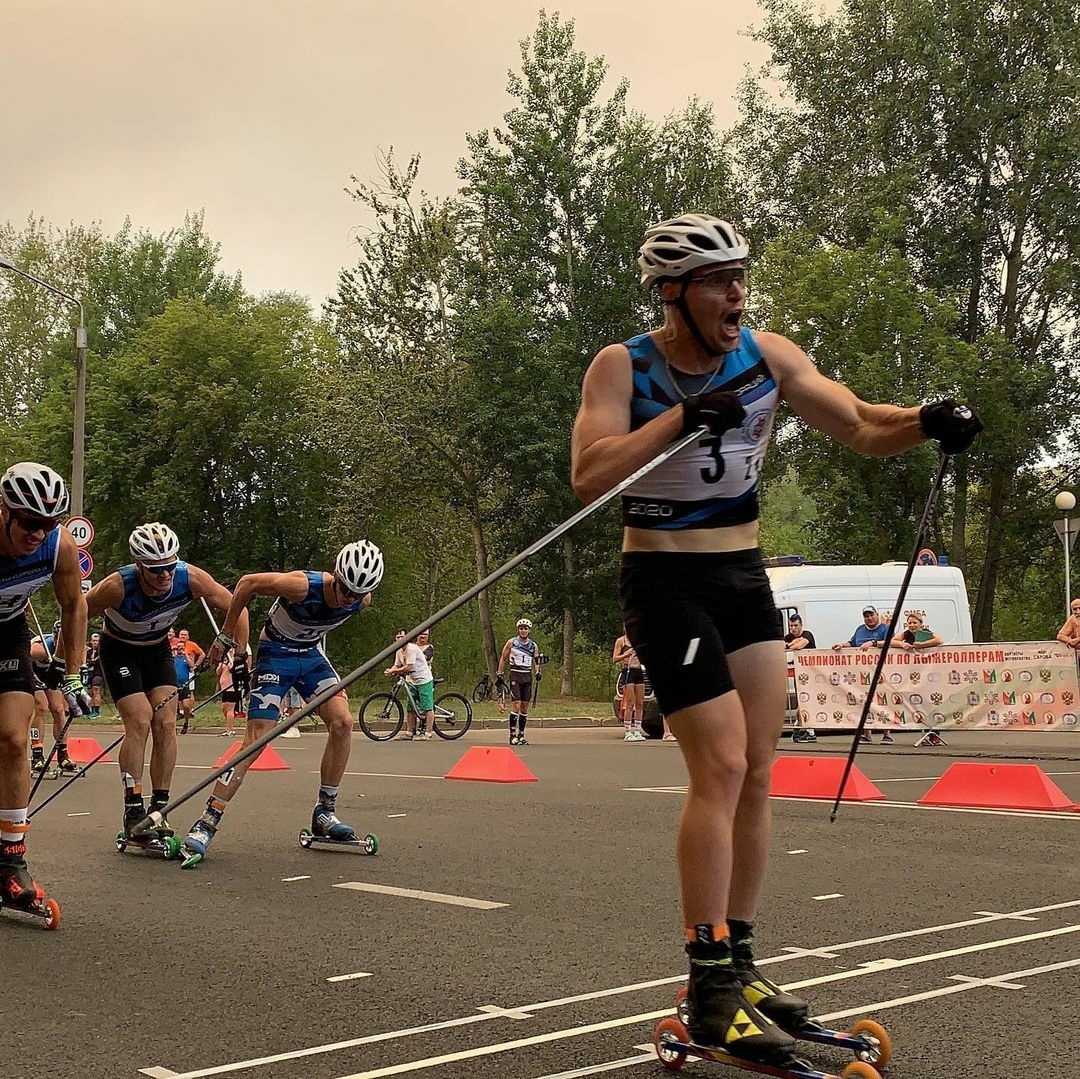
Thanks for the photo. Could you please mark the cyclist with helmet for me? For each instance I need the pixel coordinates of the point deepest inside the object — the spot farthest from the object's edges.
(523, 654)
(696, 598)
(34, 549)
(307, 605)
(140, 602)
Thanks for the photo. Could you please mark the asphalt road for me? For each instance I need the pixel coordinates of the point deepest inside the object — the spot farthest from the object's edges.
(959, 931)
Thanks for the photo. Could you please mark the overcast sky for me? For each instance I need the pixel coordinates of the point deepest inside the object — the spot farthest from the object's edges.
(258, 111)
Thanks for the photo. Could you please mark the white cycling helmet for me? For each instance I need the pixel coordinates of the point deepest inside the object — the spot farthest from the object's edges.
(34, 488)
(154, 542)
(360, 567)
(524, 622)
(673, 248)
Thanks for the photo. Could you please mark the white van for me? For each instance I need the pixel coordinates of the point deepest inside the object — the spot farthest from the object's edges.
(831, 598)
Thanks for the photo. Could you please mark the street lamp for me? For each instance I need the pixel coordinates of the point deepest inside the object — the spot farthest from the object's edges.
(78, 446)
(1067, 530)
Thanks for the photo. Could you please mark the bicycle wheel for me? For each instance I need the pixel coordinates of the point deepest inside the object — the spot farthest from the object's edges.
(482, 690)
(453, 716)
(381, 716)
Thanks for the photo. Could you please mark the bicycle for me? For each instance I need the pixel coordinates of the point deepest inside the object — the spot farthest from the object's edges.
(382, 715)
(484, 689)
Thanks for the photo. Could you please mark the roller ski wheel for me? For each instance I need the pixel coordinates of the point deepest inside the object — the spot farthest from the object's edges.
(151, 844)
(673, 1046)
(867, 1040)
(368, 844)
(46, 910)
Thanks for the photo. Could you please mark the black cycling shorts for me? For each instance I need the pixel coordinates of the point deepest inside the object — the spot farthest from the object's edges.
(685, 613)
(16, 670)
(136, 668)
(520, 687)
(230, 696)
(635, 676)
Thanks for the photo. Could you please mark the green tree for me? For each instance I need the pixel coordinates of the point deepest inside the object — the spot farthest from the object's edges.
(966, 118)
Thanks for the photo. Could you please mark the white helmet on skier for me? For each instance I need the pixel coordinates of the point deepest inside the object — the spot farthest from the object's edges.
(524, 623)
(359, 567)
(35, 489)
(154, 542)
(673, 248)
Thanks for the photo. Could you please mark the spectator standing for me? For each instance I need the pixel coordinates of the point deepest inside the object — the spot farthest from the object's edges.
(633, 694)
(871, 634)
(1069, 634)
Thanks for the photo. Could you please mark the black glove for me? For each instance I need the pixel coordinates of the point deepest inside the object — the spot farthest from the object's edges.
(718, 410)
(55, 673)
(952, 425)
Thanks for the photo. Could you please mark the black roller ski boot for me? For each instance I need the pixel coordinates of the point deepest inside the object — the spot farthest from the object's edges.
(150, 841)
(719, 1012)
(788, 1012)
(66, 765)
(19, 892)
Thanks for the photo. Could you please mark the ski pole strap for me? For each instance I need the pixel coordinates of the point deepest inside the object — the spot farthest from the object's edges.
(225, 640)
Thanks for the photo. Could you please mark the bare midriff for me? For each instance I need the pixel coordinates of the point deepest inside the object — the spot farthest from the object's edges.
(692, 540)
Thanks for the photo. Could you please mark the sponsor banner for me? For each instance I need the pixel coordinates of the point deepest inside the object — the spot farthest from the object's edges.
(1030, 685)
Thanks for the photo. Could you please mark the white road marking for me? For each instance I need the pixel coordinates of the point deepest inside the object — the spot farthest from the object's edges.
(610, 1066)
(289, 880)
(831, 895)
(611, 1024)
(447, 1024)
(350, 977)
(86, 814)
(385, 775)
(414, 893)
(505, 1013)
(808, 953)
(1009, 917)
(1026, 814)
(391, 816)
(996, 982)
(798, 852)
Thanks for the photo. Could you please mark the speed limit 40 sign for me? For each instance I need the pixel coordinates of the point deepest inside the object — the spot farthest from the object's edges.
(82, 531)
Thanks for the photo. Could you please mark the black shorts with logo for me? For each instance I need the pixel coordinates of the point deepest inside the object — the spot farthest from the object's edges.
(135, 668)
(520, 686)
(685, 613)
(16, 670)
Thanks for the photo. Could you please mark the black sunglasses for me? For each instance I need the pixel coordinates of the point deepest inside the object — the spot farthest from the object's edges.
(159, 571)
(31, 522)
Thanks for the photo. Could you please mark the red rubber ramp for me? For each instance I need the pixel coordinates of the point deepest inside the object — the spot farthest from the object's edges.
(84, 750)
(491, 764)
(819, 777)
(269, 760)
(972, 785)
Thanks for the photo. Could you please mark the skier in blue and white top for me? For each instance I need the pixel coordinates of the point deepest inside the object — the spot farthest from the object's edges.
(308, 604)
(523, 655)
(140, 602)
(697, 604)
(34, 549)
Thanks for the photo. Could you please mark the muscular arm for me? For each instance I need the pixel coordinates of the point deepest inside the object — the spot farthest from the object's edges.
(292, 586)
(876, 430)
(504, 656)
(106, 593)
(67, 584)
(203, 586)
(603, 449)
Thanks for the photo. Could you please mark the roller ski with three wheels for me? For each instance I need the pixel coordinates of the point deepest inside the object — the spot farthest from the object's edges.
(328, 830)
(38, 766)
(21, 894)
(160, 842)
(868, 1041)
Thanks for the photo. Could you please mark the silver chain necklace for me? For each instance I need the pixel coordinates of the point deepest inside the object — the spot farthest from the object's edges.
(702, 389)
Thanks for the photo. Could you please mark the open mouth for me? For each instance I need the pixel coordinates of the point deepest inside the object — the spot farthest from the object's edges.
(733, 322)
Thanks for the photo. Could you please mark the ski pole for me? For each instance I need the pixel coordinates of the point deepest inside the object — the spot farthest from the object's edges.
(155, 818)
(68, 710)
(928, 511)
(78, 775)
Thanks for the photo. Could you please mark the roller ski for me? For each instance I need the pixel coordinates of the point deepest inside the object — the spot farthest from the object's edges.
(867, 1040)
(326, 828)
(19, 892)
(158, 841)
(41, 767)
(66, 765)
(193, 849)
